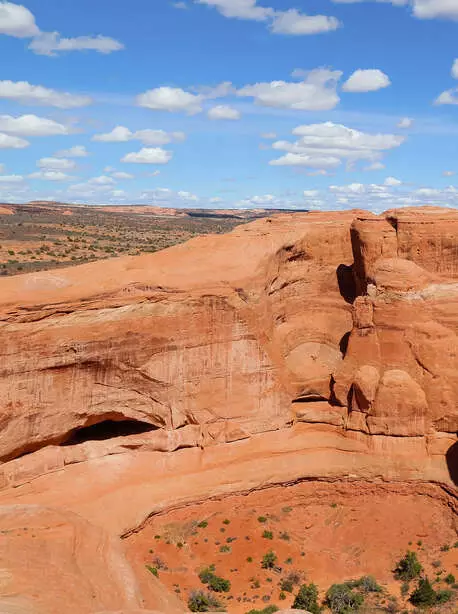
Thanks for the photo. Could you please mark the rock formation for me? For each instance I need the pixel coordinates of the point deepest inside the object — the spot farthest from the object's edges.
(299, 346)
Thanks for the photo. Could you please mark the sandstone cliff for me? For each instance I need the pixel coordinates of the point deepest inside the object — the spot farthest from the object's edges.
(305, 346)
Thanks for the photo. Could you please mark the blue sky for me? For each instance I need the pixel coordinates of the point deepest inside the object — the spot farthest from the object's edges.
(223, 103)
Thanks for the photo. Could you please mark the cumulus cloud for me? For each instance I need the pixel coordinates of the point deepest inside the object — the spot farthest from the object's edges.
(121, 134)
(223, 112)
(31, 125)
(392, 182)
(367, 80)
(148, 155)
(78, 151)
(12, 142)
(448, 97)
(102, 180)
(326, 145)
(50, 43)
(422, 9)
(61, 164)
(295, 23)
(25, 93)
(455, 69)
(405, 122)
(291, 21)
(16, 20)
(50, 176)
(171, 99)
(11, 178)
(317, 92)
(375, 166)
(121, 175)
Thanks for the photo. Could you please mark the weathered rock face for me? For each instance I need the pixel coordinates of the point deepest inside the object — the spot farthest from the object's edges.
(301, 346)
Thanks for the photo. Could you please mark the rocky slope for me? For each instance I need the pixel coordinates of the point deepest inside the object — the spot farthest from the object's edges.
(304, 346)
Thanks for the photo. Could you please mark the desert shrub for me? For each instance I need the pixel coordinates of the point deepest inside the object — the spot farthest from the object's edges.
(408, 568)
(226, 521)
(269, 560)
(404, 589)
(286, 585)
(203, 602)
(268, 535)
(450, 579)
(262, 519)
(287, 509)
(285, 536)
(342, 599)
(307, 599)
(445, 548)
(282, 596)
(152, 570)
(424, 595)
(249, 559)
(436, 564)
(225, 549)
(203, 524)
(443, 596)
(214, 582)
(368, 584)
(270, 609)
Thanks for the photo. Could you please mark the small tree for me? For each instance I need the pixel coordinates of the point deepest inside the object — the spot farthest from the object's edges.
(204, 602)
(307, 599)
(408, 568)
(424, 595)
(342, 599)
(269, 560)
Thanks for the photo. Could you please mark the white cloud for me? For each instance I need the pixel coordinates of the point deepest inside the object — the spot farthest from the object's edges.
(12, 142)
(317, 92)
(16, 20)
(375, 166)
(448, 97)
(50, 176)
(405, 122)
(311, 193)
(392, 182)
(121, 134)
(188, 196)
(31, 125)
(78, 151)
(269, 135)
(291, 21)
(61, 164)
(369, 80)
(296, 23)
(122, 175)
(431, 9)
(326, 145)
(240, 9)
(171, 99)
(148, 155)
(11, 178)
(223, 112)
(102, 180)
(455, 69)
(25, 93)
(48, 43)
(448, 173)
(154, 173)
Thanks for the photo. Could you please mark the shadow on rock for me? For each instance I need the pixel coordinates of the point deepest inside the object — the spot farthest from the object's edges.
(452, 462)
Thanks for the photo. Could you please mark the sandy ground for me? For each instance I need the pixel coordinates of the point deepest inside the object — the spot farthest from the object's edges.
(326, 532)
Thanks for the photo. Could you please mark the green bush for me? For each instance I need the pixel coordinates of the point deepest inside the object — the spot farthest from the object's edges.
(408, 568)
(204, 602)
(450, 579)
(153, 570)
(226, 521)
(342, 599)
(214, 582)
(424, 595)
(268, 535)
(262, 519)
(368, 584)
(203, 524)
(270, 609)
(307, 599)
(269, 560)
(286, 585)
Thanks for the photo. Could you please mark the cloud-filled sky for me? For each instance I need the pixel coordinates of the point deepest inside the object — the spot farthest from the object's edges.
(223, 103)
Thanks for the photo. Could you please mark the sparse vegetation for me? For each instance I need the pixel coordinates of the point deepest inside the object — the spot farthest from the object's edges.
(425, 596)
(342, 599)
(307, 599)
(269, 560)
(268, 535)
(262, 519)
(199, 601)
(214, 582)
(408, 568)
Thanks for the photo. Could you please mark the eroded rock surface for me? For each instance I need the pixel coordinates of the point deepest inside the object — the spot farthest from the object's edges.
(305, 346)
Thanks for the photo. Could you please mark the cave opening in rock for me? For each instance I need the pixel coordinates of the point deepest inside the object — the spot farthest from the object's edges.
(310, 398)
(452, 462)
(108, 429)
